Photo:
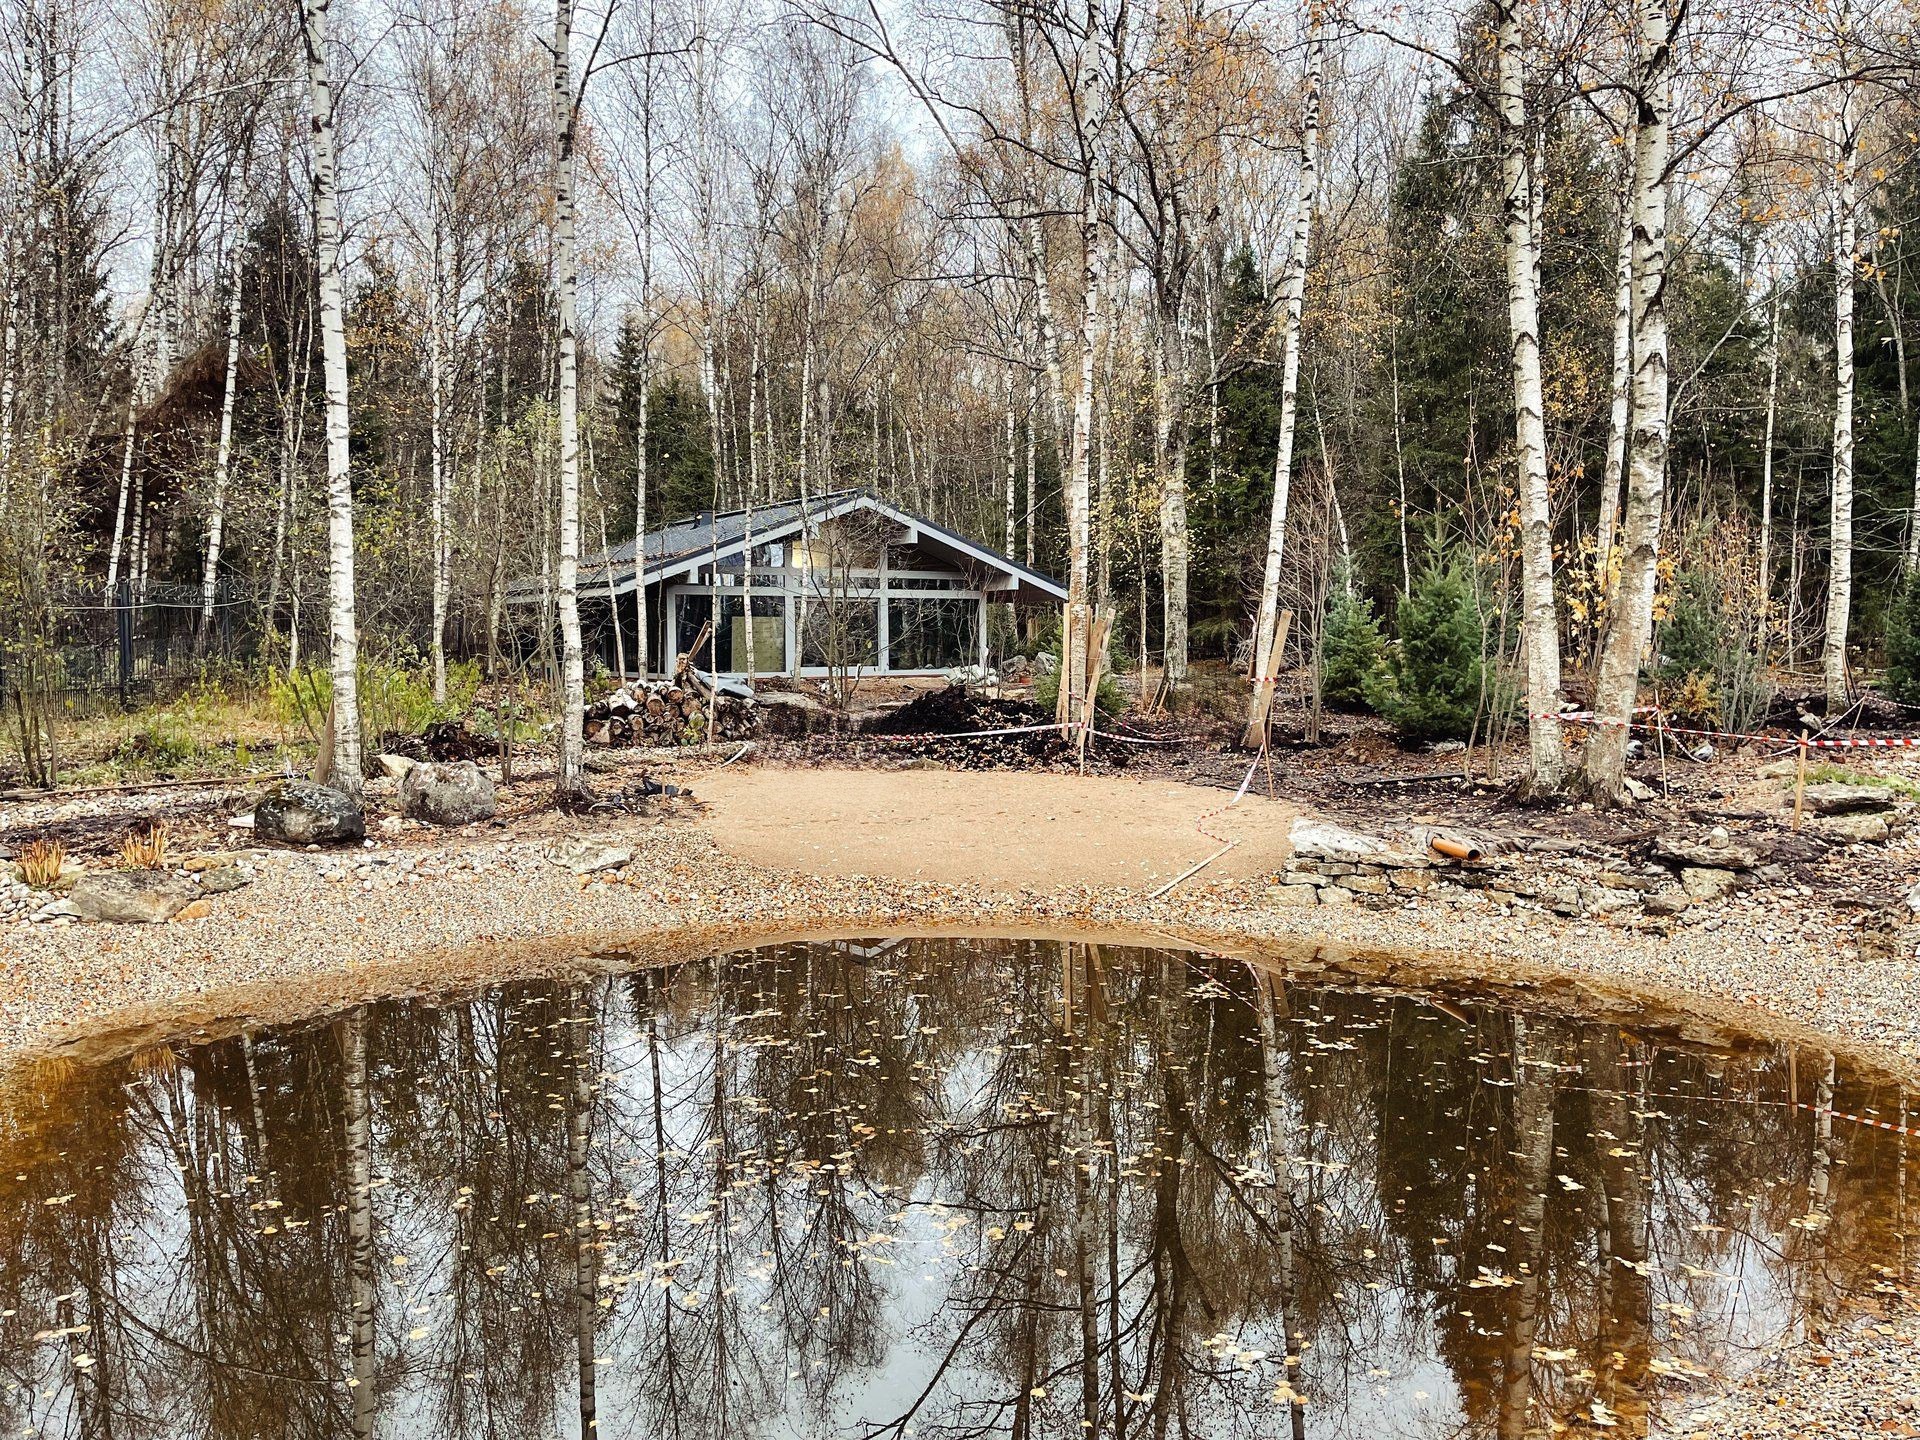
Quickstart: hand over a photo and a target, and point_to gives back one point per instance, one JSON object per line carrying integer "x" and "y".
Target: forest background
{"x": 1569, "y": 339}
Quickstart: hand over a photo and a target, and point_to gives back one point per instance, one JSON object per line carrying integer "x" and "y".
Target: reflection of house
{"x": 861, "y": 586}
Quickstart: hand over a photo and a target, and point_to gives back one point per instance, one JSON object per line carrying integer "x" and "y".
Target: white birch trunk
{"x": 1620, "y": 384}
{"x": 1541, "y": 627}
{"x": 342, "y": 624}
{"x": 1630, "y": 620}
{"x": 223, "y": 454}
{"x": 126, "y": 491}
{"x": 1079, "y": 619}
{"x": 1833, "y": 657}
{"x": 1293, "y": 303}
{"x": 566, "y": 267}
{"x": 437, "y": 444}
{"x": 1913, "y": 515}
{"x": 1013, "y": 466}
{"x": 1169, "y": 387}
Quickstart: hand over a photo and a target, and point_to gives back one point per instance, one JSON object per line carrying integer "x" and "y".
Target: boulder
{"x": 1838, "y": 799}
{"x": 1314, "y": 839}
{"x": 222, "y": 878}
{"x": 1292, "y": 895}
{"x": 1859, "y": 828}
{"x": 586, "y": 855}
{"x": 1667, "y": 902}
{"x": 1718, "y": 854}
{"x": 395, "y": 767}
{"x": 455, "y": 794}
{"x": 132, "y": 897}
{"x": 1045, "y": 663}
{"x": 1706, "y": 882}
{"x": 299, "y": 812}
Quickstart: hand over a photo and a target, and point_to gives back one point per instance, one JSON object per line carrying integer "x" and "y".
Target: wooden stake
{"x": 1800, "y": 781}
{"x": 1258, "y": 720}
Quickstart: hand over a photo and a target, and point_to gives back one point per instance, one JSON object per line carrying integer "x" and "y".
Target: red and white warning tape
{"x": 1856, "y": 1119}
{"x": 1859, "y": 742}
{"x": 1055, "y": 725}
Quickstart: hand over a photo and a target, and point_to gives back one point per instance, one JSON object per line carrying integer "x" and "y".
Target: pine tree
{"x": 1430, "y": 688}
{"x": 1352, "y": 648}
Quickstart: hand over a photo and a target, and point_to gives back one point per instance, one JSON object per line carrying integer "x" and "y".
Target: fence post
{"x": 123, "y": 614}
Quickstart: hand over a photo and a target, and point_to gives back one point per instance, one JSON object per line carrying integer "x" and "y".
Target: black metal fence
{"x": 126, "y": 645}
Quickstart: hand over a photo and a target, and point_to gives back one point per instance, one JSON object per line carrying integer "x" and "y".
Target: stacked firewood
{"x": 668, "y": 712}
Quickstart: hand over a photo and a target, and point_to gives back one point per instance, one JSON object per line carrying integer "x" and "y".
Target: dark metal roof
{"x": 691, "y": 540}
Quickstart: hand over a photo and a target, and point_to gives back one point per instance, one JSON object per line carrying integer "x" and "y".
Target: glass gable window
{"x": 769, "y": 633}
{"x": 932, "y": 634}
{"x": 841, "y": 633}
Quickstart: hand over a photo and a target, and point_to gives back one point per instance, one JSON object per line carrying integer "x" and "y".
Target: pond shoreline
{"x": 431, "y": 912}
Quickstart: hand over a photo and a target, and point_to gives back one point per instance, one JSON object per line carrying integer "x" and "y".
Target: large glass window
{"x": 841, "y": 633}
{"x": 932, "y": 634}
{"x": 769, "y": 633}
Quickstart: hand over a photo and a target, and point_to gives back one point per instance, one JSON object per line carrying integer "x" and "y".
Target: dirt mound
{"x": 442, "y": 742}
{"x": 956, "y": 711}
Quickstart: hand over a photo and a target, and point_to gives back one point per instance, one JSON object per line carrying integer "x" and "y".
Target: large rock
{"x": 585, "y": 855}
{"x": 136, "y": 897}
{"x": 1858, "y": 828}
{"x": 299, "y": 812}
{"x": 1314, "y": 839}
{"x": 456, "y": 794}
{"x": 1833, "y": 798}
{"x": 1715, "y": 854}
{"x": 1705, "y": 882}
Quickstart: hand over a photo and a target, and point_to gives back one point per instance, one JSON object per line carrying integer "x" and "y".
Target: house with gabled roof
{"x": 845, "y": 583}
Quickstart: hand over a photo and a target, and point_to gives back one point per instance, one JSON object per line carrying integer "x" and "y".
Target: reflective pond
{"x": 927, "y": 1188}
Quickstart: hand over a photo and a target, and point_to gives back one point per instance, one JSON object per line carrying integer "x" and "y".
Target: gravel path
{"x": 426, "y": 910}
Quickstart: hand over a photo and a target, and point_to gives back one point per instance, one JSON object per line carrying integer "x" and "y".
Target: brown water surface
{"x": 927, "y": 1187}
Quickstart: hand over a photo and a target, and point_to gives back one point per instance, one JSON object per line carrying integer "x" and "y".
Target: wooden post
{"x": 1800, "y": 781}
{"x": 1264, "y": 685}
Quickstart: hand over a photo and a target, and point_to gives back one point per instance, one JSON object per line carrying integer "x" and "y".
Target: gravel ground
{"x": 425, "y": 910}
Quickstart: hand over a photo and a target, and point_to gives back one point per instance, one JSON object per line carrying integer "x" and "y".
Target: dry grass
{"x": 145, "y": 848}
{"x": 209, "y": 730}
{"x": 40, "y": 863}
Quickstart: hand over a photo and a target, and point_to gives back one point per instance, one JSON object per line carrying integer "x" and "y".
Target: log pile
{"x": 667, "y": 712}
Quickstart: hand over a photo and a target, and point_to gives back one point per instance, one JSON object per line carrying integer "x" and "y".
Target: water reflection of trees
{"x": 956, "y": 1188}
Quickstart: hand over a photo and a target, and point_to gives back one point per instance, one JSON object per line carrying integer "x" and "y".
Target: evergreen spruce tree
{"x": 1351, "y": 646}
{"x": 1903, "y": 640}
{"x": 1430, "y": 687}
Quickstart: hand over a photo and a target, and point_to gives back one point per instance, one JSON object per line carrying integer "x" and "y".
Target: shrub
{"x": 1351, "y": 647}
{"x": 1431, "y": 684}
{"x": 1903, "y": 640}
{"x": 1712, "y": 671}
{"x": 392, "y": 697}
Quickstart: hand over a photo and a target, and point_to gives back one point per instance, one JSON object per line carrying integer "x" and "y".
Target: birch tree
{"x": 572, "y": 741}
{"x": 1845, "y": 143}
{"x": 1630, "y": 618}
{"x": 1520, "y": 187}
{"x": 342, "y": 623}
{"x": 1293, "y": 303}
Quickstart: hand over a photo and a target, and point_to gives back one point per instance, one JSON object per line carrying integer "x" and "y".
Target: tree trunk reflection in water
{"x": 1618, "y": 1074}
{"x": 359, "y": 1111}
{"x": 579, "y": 1191}
{"x": 1271, "y": 990}
{"x": 1533, "y": 1158}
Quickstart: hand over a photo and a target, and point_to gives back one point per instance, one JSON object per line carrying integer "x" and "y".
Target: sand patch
{"x": 1001, "y": 829}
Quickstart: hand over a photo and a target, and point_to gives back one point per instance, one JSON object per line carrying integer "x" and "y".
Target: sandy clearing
{"x": 1001, "y": 829}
